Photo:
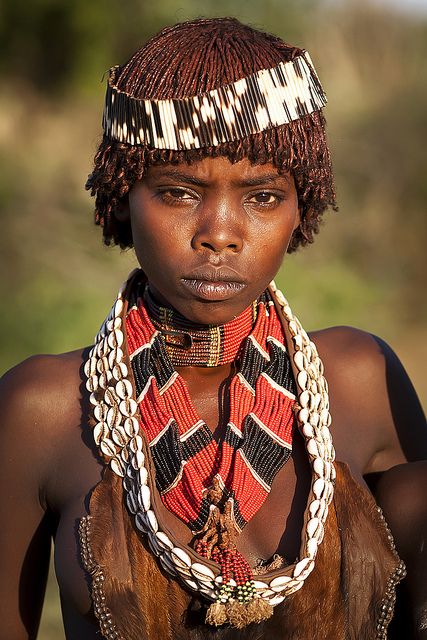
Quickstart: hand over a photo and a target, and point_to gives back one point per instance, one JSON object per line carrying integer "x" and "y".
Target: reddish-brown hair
{"x": 198, "y": 56}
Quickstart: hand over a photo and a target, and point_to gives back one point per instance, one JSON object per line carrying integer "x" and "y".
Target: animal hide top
{"x": 348, "y": 596}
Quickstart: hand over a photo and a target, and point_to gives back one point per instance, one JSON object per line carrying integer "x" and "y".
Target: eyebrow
{"x": 184, "y": 178}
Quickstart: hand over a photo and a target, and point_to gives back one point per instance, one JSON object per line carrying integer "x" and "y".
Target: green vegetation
{"x": 367, "y": 265}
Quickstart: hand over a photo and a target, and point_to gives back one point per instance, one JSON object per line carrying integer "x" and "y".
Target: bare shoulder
{"x": 369, "y": 386}
{"x": 41, "y": 398}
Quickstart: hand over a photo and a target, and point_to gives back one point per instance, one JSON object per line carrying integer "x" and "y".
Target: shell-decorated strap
{"x": 120, "y": 442}
{"x": 265, "y": 99}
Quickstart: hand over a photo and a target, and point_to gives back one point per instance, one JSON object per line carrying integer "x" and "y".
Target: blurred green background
{"x": 367, "y": 267}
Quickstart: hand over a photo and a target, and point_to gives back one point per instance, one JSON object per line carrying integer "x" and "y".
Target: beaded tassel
{"x": 237, "y": 601}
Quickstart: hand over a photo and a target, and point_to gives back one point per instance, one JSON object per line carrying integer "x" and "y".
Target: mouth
{"x": 214, "y": 284}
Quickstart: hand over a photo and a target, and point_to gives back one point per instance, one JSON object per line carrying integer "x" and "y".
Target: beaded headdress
{"x": 263, "y": 100}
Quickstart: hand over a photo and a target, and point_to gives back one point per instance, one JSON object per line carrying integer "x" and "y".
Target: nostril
{"x": 214, "y": 247}
{"x": 206, "y": 245}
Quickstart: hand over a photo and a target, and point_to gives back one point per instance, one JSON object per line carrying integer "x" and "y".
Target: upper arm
{"x": 372, "y": 399}
{"x": 404, "y": 416}
{"x": 25, "y": 530}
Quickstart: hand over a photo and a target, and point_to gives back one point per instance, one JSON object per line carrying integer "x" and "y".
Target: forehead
{"x": 220, "y": 168}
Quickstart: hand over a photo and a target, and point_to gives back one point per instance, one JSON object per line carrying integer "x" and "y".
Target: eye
{"x": 176, "y": 195}
{"x": 265, "y": 199}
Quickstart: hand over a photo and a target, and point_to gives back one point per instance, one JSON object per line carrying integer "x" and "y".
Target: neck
{"x": 201, "y": 345}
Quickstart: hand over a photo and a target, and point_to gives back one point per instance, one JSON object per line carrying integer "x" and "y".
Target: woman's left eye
{"x": 265, "y": 198}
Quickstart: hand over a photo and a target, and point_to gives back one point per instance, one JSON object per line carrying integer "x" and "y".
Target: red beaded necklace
{"x": 215, "y": 488}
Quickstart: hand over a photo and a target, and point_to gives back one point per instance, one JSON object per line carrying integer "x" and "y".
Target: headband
{"x": 265, "y": 99}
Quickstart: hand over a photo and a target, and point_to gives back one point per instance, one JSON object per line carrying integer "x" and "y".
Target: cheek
{"x": 158, "y": 241}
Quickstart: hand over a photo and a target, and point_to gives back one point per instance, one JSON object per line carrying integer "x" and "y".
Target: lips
{"x": 214, "y": 283}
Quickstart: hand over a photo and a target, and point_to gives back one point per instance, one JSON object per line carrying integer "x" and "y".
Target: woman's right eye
{"x": 176, "y": 195}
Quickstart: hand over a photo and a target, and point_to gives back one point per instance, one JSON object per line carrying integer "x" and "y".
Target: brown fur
{"x": 339, "y": 601}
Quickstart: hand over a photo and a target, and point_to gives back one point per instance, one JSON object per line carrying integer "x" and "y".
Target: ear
{"x": 122, "y": 212}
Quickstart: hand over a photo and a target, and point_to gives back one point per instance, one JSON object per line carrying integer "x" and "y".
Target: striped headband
{"x": 265, "y": 99}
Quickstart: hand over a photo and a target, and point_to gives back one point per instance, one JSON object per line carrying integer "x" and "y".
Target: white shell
{"x": 302, "y": 379}
{"x": 164, "y": 541}
{"x": 301, "y": 566}
{"x": 114, "y": 323}
{"x": 144, "y": 497}
{"x": 280, "y": 583}
{"x": 260, "y": 586}
{"x": 113, "y": 418}
{"x": 119, "y": 436}
{"x": 311, "y": 547}
{"x": 116, "y": 355}
{"x": 319, "y": 467}
{"x": 108, "y": 447}
{"x": 124, "y": 389}
{"x": 118, "y": 308}
{"x": 92, "y": 383}
{"x": 300, "y": 360}
{"x": 138, "y": 460}
{"x": 318, "y": 487}
{"x": 312, "y": 447}
{"x": 202, "y": 572}
{"x": 136, "y": 444}
{"x": 180, "y": 557}
{"x": 131, "y": 426}
{"x": 307, "y": 430}
{"x": 304, "y": 399}
{"x": 100, "y": 412}
{"x": 303, "y": 415}
{"x": 100, "y": 431}
{"x": 312, "y": 527}
{"x": 120, "y": 371}
{"x": 314, "y": 507}
{"x": 128, "y": 407}
{"x": 104, "y": 379}
{"x": 117, "y": 467}
{"x": 276, "y": 600}
{"x": 152, "y": 521}
{"x": 314, "y": 418}
{"x": 143, "y": 475}
{"x": 293, "y": 328}
{"x": 298, "y": 342}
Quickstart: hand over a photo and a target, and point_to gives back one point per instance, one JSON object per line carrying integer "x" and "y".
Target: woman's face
{"x": 211, "y": 236}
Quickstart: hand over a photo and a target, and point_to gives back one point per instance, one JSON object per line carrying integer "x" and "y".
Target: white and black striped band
{"x": 268, "y": 98}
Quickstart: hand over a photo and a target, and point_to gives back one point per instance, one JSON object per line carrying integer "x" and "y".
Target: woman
{"x": 184, "y": 463}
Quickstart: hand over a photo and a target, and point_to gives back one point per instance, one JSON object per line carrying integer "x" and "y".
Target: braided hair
{"x": 192, "y": 58}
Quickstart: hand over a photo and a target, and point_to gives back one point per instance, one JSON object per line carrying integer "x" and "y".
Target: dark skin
{"x": 241, "y": 217}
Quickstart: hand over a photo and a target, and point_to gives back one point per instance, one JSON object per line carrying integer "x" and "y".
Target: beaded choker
{"x": 135, "y": 418}
{"x": 268, "y": 98}
{"x": 190, "y": 344}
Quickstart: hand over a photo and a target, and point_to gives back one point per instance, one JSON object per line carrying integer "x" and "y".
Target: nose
{"x": 218, "y": 231}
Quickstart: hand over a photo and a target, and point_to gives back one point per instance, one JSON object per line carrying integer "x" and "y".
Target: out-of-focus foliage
{"x": 366, "y": 268}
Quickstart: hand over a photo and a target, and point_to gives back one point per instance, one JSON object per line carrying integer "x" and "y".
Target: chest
{"x": 275, "y": 528}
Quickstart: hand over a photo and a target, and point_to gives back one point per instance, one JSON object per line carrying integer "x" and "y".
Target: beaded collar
{"x": 190, "y": 344}
{"x": 117, "y": 434}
